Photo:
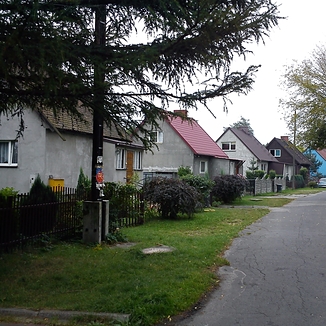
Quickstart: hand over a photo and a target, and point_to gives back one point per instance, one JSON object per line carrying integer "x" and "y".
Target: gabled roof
{"x": 256, "y": 148}
{"x": 322, "y": 153}
{"x": 65, "y": 122}
{"x": 292, "y": 150}
{"x": 196, "y": 138}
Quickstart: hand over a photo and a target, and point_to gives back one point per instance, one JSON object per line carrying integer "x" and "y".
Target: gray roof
{"x": 292, "y": 150}
{"x": 249, "y": 140}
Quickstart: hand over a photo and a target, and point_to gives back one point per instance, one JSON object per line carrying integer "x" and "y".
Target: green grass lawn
{"x": 103, "y": 278}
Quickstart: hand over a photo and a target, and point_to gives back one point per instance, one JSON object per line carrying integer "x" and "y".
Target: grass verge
{"x": 102, "y": 278}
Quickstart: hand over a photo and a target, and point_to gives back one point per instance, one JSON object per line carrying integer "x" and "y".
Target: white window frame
{"x": 263, "y": 166}
{"x": 9, "y": 156}
{"x": 231, "y": 146}
{"x": 201, "y": 163}
{"x": 138, "y": 160}
{"x": 275, "y": 151}
{"x": 157, "y": 136}
{"x": 120, "y": 158}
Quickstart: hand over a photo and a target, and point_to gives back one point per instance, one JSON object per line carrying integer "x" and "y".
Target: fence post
{"x": 92, "y": 220}
{"x": 105, "y": 218}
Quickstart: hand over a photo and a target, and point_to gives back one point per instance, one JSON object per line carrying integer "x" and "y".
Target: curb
{"x": 61, "y": 314}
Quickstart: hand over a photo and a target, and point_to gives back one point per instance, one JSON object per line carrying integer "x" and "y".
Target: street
{"x": 277, "y": 271}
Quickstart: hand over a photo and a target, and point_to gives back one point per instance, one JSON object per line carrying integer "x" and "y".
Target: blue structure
{"x": 320, "y": 155}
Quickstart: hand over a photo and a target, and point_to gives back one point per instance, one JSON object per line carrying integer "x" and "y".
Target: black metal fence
{"x": 22, "y": 223}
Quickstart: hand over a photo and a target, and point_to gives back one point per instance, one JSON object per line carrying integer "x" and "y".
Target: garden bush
{"x": 35, "y": 217}
{"x": 172, "y": 196}
{"x": 8, "y": 217}
{"x": 299, "y": 181}
{"x": 203, "y": 185}
{"x": 255, "y": 174}
{"x": 83, "y": 185}
{"x": 228, "y": 188}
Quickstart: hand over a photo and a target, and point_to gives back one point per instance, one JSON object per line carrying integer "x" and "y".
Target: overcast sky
{"x": 294, "y": 39}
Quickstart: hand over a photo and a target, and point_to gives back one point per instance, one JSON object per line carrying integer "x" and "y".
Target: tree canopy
{"x": 49, "y": 52}
{"x": 305, "y": 105}
{"x": 242, "y": 123}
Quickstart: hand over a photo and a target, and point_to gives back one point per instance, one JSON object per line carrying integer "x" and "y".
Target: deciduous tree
{"x": 305, "y": 105}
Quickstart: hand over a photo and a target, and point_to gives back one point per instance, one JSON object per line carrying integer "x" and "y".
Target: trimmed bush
{"x": 228, "y": 188}
{"x": 36, "y": 217}
{"x": 172, "y": 196}
{"x": 83, "y": 185}
{"x": 299, "y": 181}
{"x": 203, "y": 185}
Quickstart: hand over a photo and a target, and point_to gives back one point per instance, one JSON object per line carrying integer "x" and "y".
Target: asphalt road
{"x": 277, "y": 272}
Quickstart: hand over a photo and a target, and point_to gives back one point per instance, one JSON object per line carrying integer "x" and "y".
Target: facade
{"x": 181, "y": 143}
{"x": 290, "y": 159}
{"x": 320, "y": 155}
{"x": 55, "y": 148}
{"x": 239, "y": 144}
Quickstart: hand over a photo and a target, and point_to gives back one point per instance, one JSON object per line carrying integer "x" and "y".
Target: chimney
{"x": 183, "y": 113}
{"x": 285, "y": 138}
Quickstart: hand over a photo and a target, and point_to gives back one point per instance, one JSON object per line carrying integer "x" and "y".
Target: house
{"x": 320, "y": 156}
{"x": 239, "y": 143}
{"x": 183, "y": 143}
{"x": 288, "y": 156}
{"x": 56, "y": 147}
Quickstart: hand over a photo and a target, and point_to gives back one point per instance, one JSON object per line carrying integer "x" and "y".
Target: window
{"x": 263, "y": 166}
{"x": 203, "y": 167}
{"x": 8, "y": 153}
{"x": 157, "y": 136}
{"x": 121, "y": 158}
{"x": 275, "y": 152}
{"x": 137, "y": 160}
{"x": 229, "y": 146}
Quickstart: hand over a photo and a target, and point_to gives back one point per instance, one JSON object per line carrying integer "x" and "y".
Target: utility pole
{"x": 294, "y": 140}
{"x": 99, "y": 78}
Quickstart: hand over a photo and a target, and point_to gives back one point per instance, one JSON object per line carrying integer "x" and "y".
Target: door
{"x": 130, "y": 165}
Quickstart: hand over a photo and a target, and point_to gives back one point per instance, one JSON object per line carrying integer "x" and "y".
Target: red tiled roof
{"x": 196, "y": 138}
{"x": 322, "y": 153}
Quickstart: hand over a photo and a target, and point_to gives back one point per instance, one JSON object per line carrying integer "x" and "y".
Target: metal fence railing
{"x": 22, "y": 223}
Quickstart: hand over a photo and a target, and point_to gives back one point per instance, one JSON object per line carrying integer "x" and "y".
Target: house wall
{"x": 31, "y": 151}
{"x": 322, "y": 168}
{"x": 42, "y": 151}
{"x": 241, "y": 152}
{"x": 170, "y": 155}
{"x": 65, "y": 158}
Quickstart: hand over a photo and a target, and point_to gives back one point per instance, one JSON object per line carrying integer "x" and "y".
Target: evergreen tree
{"x": 48, "y": 54}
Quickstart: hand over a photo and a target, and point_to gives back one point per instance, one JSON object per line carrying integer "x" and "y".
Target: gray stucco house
{"x": 57, "y": 147}
{"x": 182, "y": 143}
{"x": 239, "y": 143}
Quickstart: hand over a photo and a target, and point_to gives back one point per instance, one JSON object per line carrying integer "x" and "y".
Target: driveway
{"x": 277, "y": 272}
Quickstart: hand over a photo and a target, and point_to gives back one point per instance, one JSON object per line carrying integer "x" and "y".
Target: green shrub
{"x": 203, "y": 185}
{"x": 172, "y": 196}
{"x": 83, "y": 185}
{"x": 184, "y": 170}
{"x": 272, "y": 174}
{"x": 8, "y": 219}
{"x": 124, "y": 202}
{"x": 228, "y": 188}
{"x": 304, "y": 172}
{"x": 255, "y": 174}
{"x": 312, "y": 184}
{"x": 36, "y": 218}
{"x": 298, "y": 181}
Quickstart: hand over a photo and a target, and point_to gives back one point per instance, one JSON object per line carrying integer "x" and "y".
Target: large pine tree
{"x": 48, "y": 54}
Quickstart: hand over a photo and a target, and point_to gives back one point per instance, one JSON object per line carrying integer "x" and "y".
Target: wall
{"x": 170, "y": 155}
{"x": 241, "y": 151}
{"x": 31, "y": 151}
{"x": 263, "y": 186}
{"x": 65, "y": 158}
